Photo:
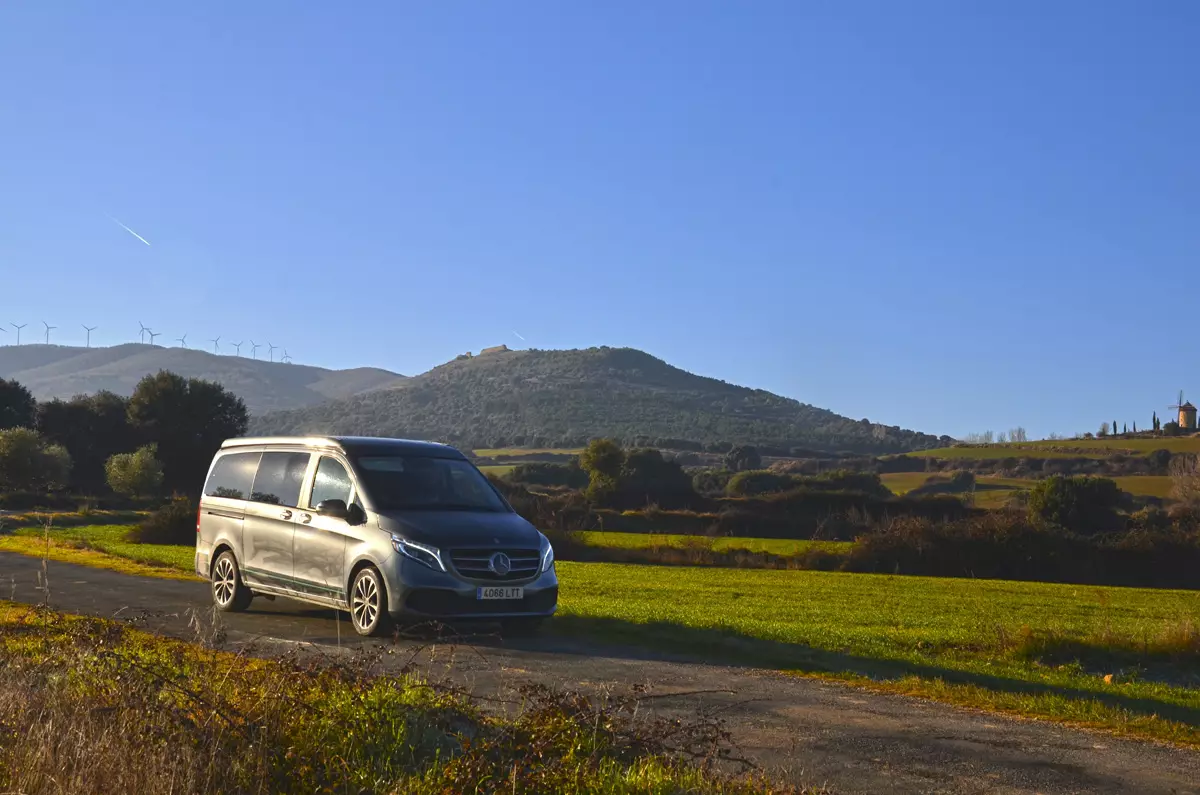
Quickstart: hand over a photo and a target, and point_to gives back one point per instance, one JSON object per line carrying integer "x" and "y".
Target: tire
{"x": 522, "y": 627}
{"x": 368, "y": 604}
{"x": 230, "y": 594}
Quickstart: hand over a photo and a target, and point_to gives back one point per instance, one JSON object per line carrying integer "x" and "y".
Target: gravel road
{"x": 795, "y": 729}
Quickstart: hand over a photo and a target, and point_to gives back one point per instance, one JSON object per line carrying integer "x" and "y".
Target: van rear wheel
{"x": 230, "y": 594}
{"x": 369, "y": 604}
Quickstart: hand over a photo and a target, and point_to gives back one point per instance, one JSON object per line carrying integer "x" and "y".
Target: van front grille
{"x": 477, "y": 563}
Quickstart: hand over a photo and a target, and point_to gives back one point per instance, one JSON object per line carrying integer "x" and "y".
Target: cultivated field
{"x": 990, "y": 488}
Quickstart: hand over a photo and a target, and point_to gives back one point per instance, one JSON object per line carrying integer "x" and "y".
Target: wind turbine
{"x": 89, "y": 330}
{"x": 285, "y": 358}
{"x": 271, "y": 350}
{"x": 142, "y": 333}
{"x": 182, "y": 340}
{"x": 18, "y": 328}
{"x": 254, "y": 346}
{"x": 237, "y": 347}
{"x": 49, "y": 328}
{"x": 216, "y": 345}
{"x": 153, "y": 334}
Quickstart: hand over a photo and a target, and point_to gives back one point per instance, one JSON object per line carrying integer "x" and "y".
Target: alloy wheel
{"x": 224, "y": 581}
{"x": 364, "y": 604}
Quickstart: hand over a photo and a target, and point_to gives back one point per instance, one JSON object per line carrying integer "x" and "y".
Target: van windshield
{"x": 402, "y": 482}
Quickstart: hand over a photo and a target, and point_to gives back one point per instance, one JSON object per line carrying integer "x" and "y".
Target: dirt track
{"x": 796, "y": 729}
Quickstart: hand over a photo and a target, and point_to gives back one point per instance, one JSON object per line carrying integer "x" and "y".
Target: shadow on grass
{"x": 727, "y": 647}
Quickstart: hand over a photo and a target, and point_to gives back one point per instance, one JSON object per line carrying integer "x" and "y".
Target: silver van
{"x": 384, "y": 528}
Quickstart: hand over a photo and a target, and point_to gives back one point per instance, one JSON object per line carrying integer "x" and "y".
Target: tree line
{"x": 159, "y": 440}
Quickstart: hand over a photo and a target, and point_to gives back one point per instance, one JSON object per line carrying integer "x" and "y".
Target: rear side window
{"x": 232, "y": 476}
{"x": 279, "y": 478}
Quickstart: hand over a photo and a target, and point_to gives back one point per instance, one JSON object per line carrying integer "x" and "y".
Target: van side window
{"x": 232, "y": 476}
{"x": 279, "y": 478}
{"x": 332, "y": 482}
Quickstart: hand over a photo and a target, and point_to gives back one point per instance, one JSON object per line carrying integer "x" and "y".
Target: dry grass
{"x": 90, "y": 706}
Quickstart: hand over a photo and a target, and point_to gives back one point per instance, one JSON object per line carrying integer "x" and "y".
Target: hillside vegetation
{"x": 563, "y": 398}
{"x": 60, "y": 371}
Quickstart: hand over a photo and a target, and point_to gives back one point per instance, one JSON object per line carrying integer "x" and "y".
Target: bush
{"x": 1080, "y": 504}
{"x": 760, "y": 481}
{"x": 173, "y": 523}
{"x": 539, "y": 473}
{"x": 711, "y": 481}
{"x": 743, "y": 458}
{"x": 29, "y": 463}
{"x": 135, "y": 474}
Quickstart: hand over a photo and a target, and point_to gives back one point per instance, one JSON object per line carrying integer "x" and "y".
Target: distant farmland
{"x": 1069, "y": 448}
{"x": 991, "y": 492}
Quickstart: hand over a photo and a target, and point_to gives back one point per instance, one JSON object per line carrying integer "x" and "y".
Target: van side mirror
{"x": 355, "y": 515}
{"x": 335, "y": 508}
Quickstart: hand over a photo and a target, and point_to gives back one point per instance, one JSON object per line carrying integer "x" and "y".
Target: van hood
{"x": 450, "y": 529}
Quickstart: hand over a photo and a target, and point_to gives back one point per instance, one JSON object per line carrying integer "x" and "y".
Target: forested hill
{"x": 563, "y": 398}
{"x": 62, "y": 371}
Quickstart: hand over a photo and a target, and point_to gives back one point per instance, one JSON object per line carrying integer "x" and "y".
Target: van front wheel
{"x": 230, "y": 594}
{"x": 368, "y": 604}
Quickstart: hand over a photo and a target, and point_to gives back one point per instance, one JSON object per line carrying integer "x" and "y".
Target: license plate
{"x": 499, "y": 592}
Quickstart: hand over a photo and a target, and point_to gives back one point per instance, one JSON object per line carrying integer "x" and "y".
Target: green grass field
{"x": 499, "y": 470}
{"x": 1121, "y": 659}
{"x": 993, "y": 491}
{"x": 500, "y": 452}
{"x": 774, "y": 546}
{"x": 1033, "y": 648}
{"x": 98, "y": 545}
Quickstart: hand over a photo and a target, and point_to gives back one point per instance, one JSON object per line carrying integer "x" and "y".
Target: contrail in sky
{"x": 519, "y": 336}
{"x": 130, "y": 231}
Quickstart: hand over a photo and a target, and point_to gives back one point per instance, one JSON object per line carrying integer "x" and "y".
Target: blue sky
{"x": 948, "y": 216}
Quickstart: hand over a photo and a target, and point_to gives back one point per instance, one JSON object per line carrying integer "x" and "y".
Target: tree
{"x": 1103, "y": 429}
{"x": 648, "y": 477}
{"x": 1114, "y": 427}
{"x": 1124, "y": 428}
{"x": 1135, "y": 426}
{"x": 93, "y": 428}
{"x": 1080, "y": 504}
{"x": 137, "y": 474}
{"x": 29, "y": 463}
{"x": 1018, "y": 434}
{"x": 17, "y": 406}
{"x": 188, "y": 419}
{"x": 1154, "y": 422}
{"x": 602, "y": 460}
{"x": 743, "y": 458}
{"x": 1171, "y": 429}
{"x": 1185, "y": 478}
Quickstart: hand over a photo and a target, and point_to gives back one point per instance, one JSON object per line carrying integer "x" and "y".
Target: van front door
{"x": 319, "y": 550}
{"x": 270, "y": 521}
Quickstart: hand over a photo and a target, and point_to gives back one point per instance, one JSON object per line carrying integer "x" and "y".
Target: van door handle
{"x": 306, "y": 517}
{"x": 285, "y": 515}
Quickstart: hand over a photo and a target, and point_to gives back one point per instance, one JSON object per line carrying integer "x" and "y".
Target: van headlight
{"x": 425, "y": 555}
{"x": 547, "y": 555}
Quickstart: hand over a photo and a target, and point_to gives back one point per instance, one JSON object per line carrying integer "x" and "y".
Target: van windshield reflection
{"x": 405, "y": 482}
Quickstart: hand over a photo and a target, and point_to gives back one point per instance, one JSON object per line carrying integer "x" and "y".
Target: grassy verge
{"x": 1121, "y": 659}
{"x": 774, "y": 546}
{"x": 103, "y": 546}
{"x": 94, "y": 706}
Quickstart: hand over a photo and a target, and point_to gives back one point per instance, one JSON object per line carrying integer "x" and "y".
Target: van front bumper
{"x": 417, "y": 591}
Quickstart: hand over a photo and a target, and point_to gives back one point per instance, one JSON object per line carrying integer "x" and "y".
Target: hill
{"x": 51, "y": 371}
{"x": 563, "y": 398}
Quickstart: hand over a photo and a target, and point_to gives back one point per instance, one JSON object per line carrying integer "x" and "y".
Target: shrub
{"x": 759, "y": 481}
{"x": 711, "y": 481}
{"x": 1081, "y": 504}
{"x": 540, "y": 473}
{"x": 29, "y": 463}
{"x": 135, "y": 474}
{"x": 742, "y": 458}
{"x": 173, "y": 523}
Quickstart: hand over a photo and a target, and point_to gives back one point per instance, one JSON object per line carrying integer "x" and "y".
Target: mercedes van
{"x": 387, "y": 529}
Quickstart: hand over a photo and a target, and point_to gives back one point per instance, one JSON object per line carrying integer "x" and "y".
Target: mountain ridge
{"x": 564, "y": 397}
{"x": 63, "y": 371}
